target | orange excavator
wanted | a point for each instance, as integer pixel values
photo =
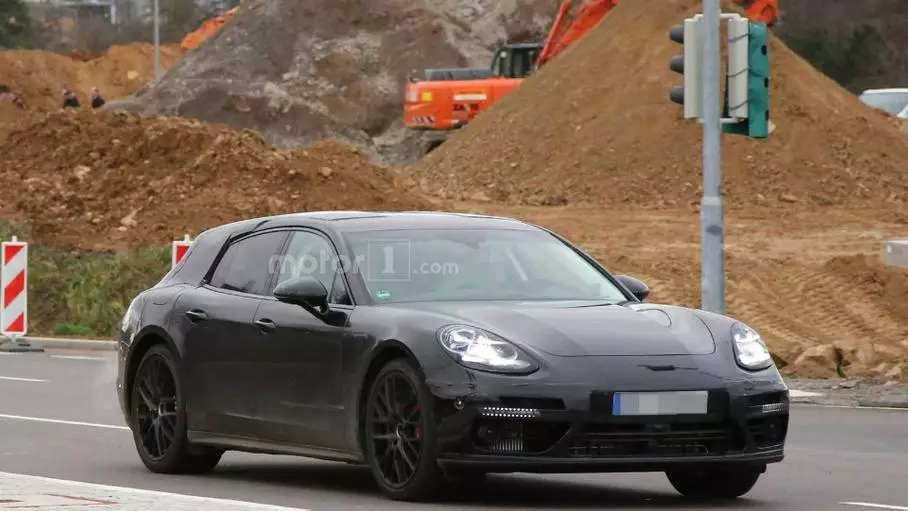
(444, 100)
(209, 26)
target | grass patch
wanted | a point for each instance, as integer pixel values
(85, 293)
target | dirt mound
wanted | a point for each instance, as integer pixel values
(596, 125)
(886, 284)
(40, 76)
(100, 180)
(299, 72)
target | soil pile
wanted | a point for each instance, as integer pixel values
(299, 72)
(40, 76)
(596, 125)
(100, 180)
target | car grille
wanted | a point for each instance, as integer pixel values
(507, 436)
(658, 439)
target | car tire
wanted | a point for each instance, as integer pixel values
(158, 418)
(715, 483)
(392, 432)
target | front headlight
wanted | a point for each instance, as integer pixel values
(750, 350)
(485, 351)
(129, 315)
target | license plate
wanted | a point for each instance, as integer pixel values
(660, 403)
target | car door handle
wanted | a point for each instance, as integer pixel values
(196, 315)
(266, 325)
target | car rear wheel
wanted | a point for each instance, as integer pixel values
(399, 434)
(715, 483)
(159, 418)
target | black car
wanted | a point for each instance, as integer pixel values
(437, 348)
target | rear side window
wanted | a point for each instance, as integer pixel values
(247, 265)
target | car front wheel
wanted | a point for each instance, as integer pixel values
(159, 418)
(715, 483)
(399, 434)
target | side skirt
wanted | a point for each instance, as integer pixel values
(251, 445)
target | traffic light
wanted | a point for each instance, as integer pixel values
(689, 65)
(747, 98)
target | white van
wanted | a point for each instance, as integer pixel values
(892, 101)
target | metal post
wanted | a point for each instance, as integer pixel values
(157, 41)
(712, 231)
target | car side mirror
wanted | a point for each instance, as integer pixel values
(635, 286)
(304, 291)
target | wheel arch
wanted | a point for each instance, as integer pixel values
(385, 352)
(144, 341)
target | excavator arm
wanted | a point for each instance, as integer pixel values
(567, 29)
(209, 27)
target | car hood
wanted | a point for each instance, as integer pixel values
(580, 329)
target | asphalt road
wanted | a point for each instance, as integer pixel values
(834, 455)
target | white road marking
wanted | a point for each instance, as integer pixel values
(118, 491)
(29, 380)
(802, 393)
(63, 422)
(77, 357)
(876, 506)
(855, 407)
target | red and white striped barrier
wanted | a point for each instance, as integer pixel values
(14, 295)
(179, 249)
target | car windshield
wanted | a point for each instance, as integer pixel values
(892, 103)
(470, 264)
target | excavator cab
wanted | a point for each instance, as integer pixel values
(515, 60)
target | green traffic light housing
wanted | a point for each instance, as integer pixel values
(757, 122)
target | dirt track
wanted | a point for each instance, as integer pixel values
(807, 280)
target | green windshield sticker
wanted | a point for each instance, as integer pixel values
(381, 294)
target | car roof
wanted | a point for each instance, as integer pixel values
(357, 221)
(886, 91)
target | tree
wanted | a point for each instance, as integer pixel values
(848, 54)
(181, 16)
(15, 24)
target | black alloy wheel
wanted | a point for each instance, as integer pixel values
(159, 421)
(156, 408)
(399, 434)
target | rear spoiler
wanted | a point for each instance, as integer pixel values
(453, 74)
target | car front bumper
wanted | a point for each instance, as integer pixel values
(532, 430)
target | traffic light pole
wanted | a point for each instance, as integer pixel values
(157, 40)
(712, 230)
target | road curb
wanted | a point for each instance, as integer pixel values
(885, 402)
(73, 344)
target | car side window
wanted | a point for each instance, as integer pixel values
(311, 255)
(246, 266)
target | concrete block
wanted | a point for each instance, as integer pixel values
(897, 253)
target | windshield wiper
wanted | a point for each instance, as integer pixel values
(600, 304)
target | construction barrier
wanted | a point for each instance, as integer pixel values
(14, 296)
(14, 292)
(179, 249)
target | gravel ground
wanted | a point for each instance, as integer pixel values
(851, 392)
